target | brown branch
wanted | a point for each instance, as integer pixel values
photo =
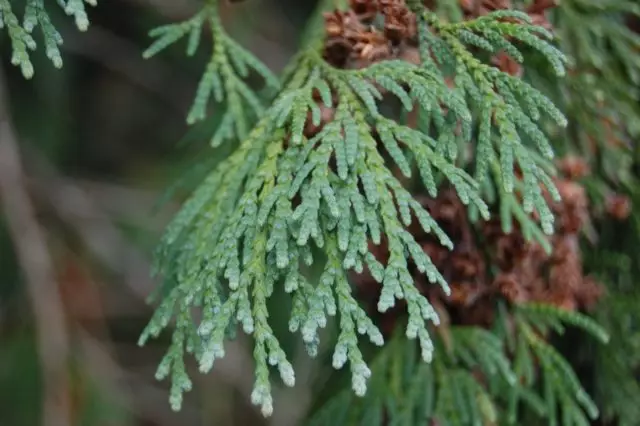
(35, 261)
(94, 226)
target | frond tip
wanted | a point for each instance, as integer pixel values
(35, 14)
(223, 80)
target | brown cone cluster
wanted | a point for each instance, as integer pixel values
(375, 30)
(618, 206)
(488, 265)
(371, 30)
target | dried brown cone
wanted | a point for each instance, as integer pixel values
(476, 8)
(618, 206)
(573, 167)
(366, 10)
(353, 39)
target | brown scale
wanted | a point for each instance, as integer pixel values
(573, 168)
(475, 8)
(618, 206)
(354, 40)
(399, 23)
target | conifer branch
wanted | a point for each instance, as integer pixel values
(223, 79)
(35, 14)
(330, 193)
(260, 217)
(505, 103)
(446, 390)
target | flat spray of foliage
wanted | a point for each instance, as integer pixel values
(282, 205)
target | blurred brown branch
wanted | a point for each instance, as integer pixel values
(35, 262)
(103, 239)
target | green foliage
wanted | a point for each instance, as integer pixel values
(615, 263)
(602, 101)
(562, 391)
(223, 79)
(601, 95)
(618, 388)
(508, 109)
(518, 370)
(20, 376)
(35, 14)
(282, 202)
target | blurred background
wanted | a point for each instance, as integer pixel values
(92, 149)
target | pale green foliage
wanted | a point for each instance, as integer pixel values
(282, 202)
(35, 14)
(508, 108)
(224, 76)
(411, 393)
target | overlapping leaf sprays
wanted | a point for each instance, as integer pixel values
(287, 194)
